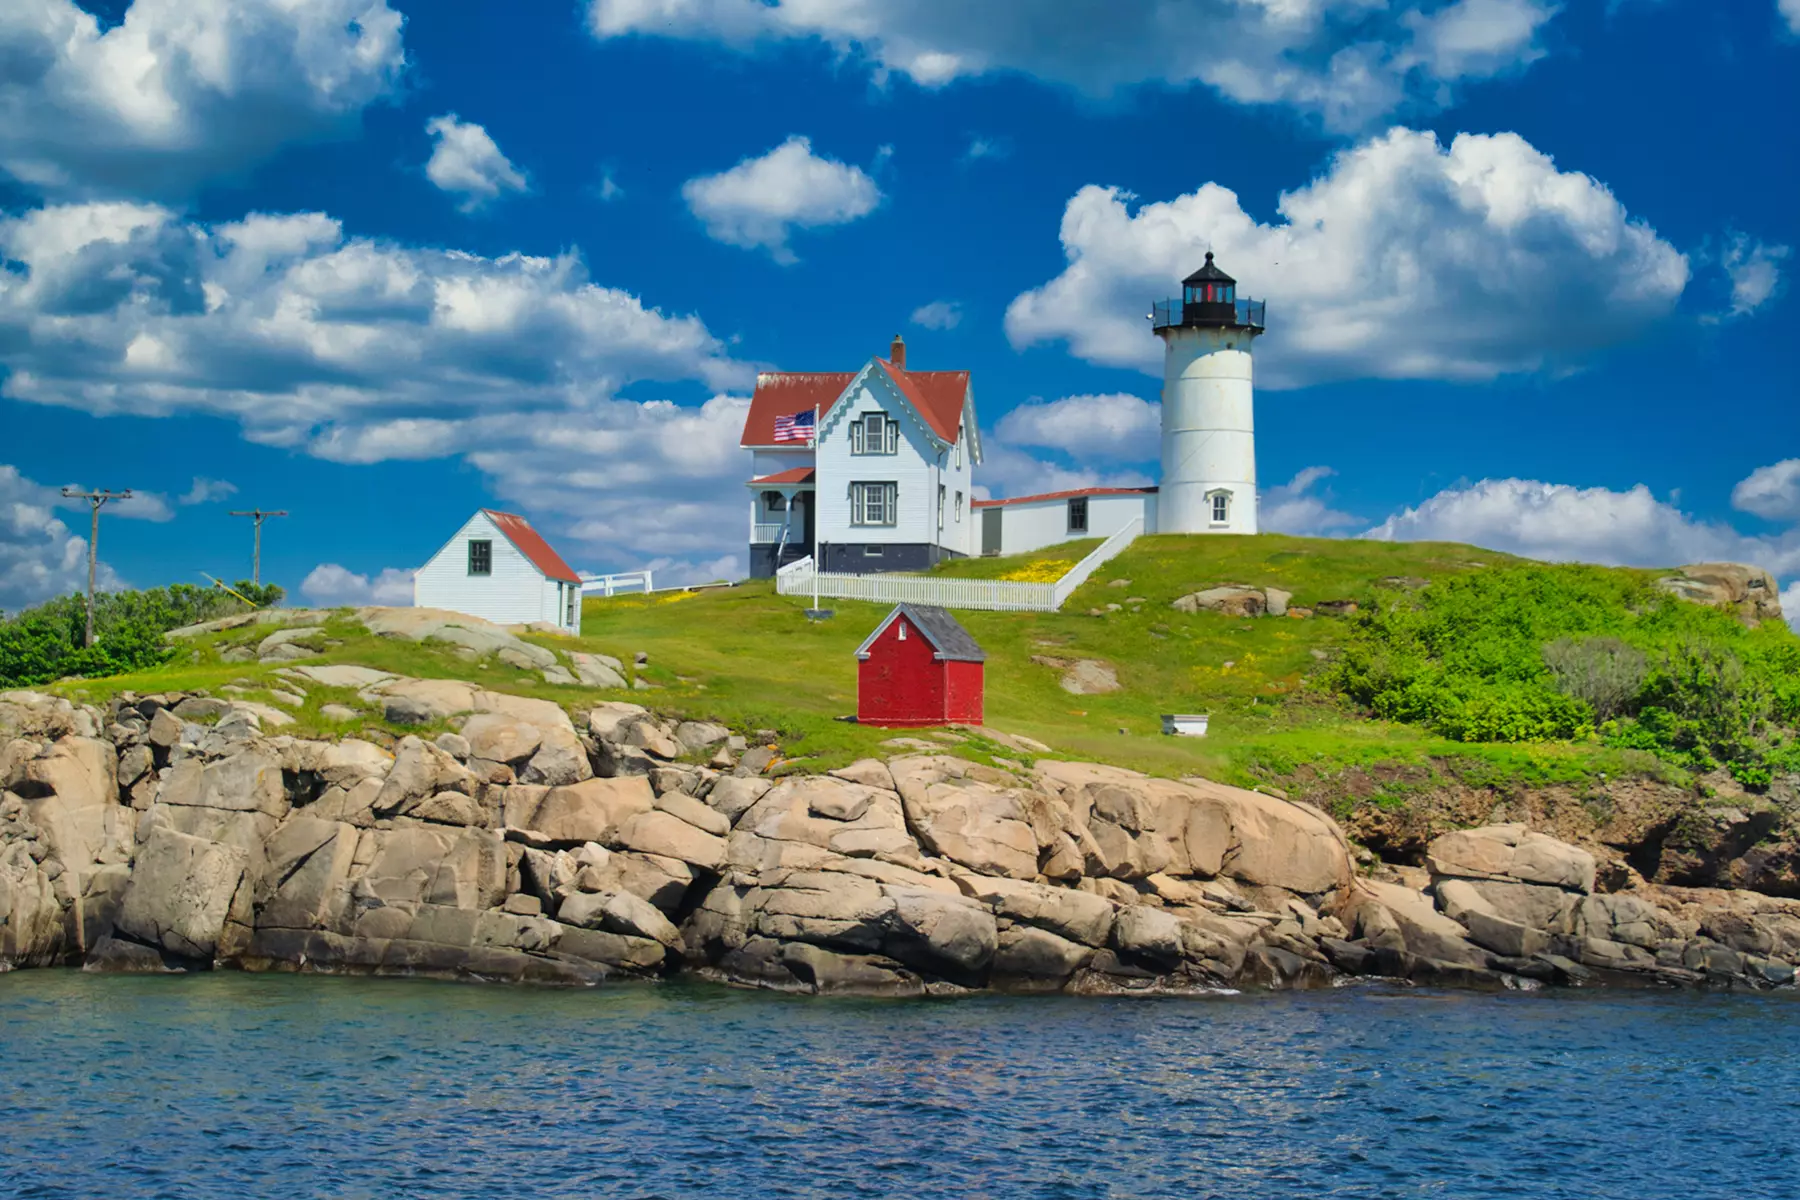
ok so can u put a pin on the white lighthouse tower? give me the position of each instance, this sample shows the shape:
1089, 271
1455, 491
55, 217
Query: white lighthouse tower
1208, 423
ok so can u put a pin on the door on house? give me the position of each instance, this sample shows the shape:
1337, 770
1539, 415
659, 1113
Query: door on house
990, 530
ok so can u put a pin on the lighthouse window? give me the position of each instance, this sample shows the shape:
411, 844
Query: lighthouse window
1221, 507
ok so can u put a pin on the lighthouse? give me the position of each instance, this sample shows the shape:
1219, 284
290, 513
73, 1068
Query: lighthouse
1208, 423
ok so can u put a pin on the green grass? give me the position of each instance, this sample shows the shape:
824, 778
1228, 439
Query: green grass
750, 658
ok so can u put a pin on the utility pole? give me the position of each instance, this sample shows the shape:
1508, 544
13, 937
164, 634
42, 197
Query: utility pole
256, 561
95, 501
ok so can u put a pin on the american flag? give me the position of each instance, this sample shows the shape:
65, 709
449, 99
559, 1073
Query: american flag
795, 428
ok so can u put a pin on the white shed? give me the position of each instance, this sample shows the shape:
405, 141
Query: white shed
499, 568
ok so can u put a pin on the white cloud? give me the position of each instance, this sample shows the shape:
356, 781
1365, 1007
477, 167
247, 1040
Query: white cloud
761, 201
1771, 492
1296, 507
361, 351
1343, 62
181, 91
939, 314
672, 572
332, 585
608, 189
39, 556
205, 491
1404, 260
1790, 9
981, 147
1006, 471
1560, 523
1754, 270
466, 162
1117, 427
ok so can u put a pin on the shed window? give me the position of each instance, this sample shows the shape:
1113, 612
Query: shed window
481, 557
873, 503
1221, 507
574, 598
902, 625
1078, 515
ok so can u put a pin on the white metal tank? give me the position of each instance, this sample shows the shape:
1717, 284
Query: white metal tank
1208, 417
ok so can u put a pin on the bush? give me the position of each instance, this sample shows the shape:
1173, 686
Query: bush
47, 643
1603, 672
1542, 653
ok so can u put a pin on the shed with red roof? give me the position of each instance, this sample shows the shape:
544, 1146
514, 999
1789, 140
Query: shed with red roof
499, 568
919, 667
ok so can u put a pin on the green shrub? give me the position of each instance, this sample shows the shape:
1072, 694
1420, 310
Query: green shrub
46, 643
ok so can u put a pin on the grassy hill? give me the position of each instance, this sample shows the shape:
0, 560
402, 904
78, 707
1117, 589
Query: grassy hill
1440, 681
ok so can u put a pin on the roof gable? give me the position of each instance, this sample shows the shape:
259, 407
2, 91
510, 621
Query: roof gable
946, 635
530, 543
938, 396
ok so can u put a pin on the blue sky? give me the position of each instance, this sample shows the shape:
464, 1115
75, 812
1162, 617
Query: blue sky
379, 263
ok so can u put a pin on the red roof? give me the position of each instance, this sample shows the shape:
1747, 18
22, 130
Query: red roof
796, 475
937, 395
1069, 495
784, 393
519, 532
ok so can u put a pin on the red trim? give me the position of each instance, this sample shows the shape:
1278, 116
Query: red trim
796, 475
937, 395
784, 393
1069, 495
519, 532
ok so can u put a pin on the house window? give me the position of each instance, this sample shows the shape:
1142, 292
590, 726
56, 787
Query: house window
1078, 515
959, 506
1221, 508
569, 609
959, 449
874, 433
940, 506
774, 502
873, 503
871, 551
481, 558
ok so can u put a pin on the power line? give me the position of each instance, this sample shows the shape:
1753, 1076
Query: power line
256, 560
95, 501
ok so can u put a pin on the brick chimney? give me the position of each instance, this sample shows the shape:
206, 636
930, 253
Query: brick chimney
897, 353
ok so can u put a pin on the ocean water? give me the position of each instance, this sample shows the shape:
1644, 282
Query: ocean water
240, 1086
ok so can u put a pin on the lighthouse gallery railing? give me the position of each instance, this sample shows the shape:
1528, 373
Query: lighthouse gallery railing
996, 595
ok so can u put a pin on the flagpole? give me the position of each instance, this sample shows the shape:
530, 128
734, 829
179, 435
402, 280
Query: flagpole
814, 511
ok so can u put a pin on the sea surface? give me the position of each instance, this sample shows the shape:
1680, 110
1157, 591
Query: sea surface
239, 1086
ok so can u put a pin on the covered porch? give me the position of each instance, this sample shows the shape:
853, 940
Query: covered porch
781, 519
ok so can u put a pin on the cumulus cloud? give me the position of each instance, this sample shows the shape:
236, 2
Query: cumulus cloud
39, 556
1116, 426
1301, 506
181, 91
331, 585
982, 147
1406, 259
205, 491
1562, 523
1771, 492
939, 314
761, 201
1790, 10
1754, 269
467, 163
1342, 62
1008, 471
359, 350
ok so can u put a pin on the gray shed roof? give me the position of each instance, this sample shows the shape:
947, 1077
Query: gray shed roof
946, 635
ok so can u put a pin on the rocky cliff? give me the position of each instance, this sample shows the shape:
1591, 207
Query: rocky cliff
185, 832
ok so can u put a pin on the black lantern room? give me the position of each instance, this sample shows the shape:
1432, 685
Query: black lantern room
1209, 299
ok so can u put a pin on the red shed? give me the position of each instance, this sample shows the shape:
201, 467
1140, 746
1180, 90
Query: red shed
919, 667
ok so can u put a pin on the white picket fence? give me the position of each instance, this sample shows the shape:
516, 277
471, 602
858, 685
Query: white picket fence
995, 595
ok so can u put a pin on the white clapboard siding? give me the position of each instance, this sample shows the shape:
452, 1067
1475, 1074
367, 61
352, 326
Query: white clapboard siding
911, 469
994, 595
516, 593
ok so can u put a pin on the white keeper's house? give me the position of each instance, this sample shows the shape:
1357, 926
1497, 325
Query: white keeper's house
888, 486
501, 569
871, 470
